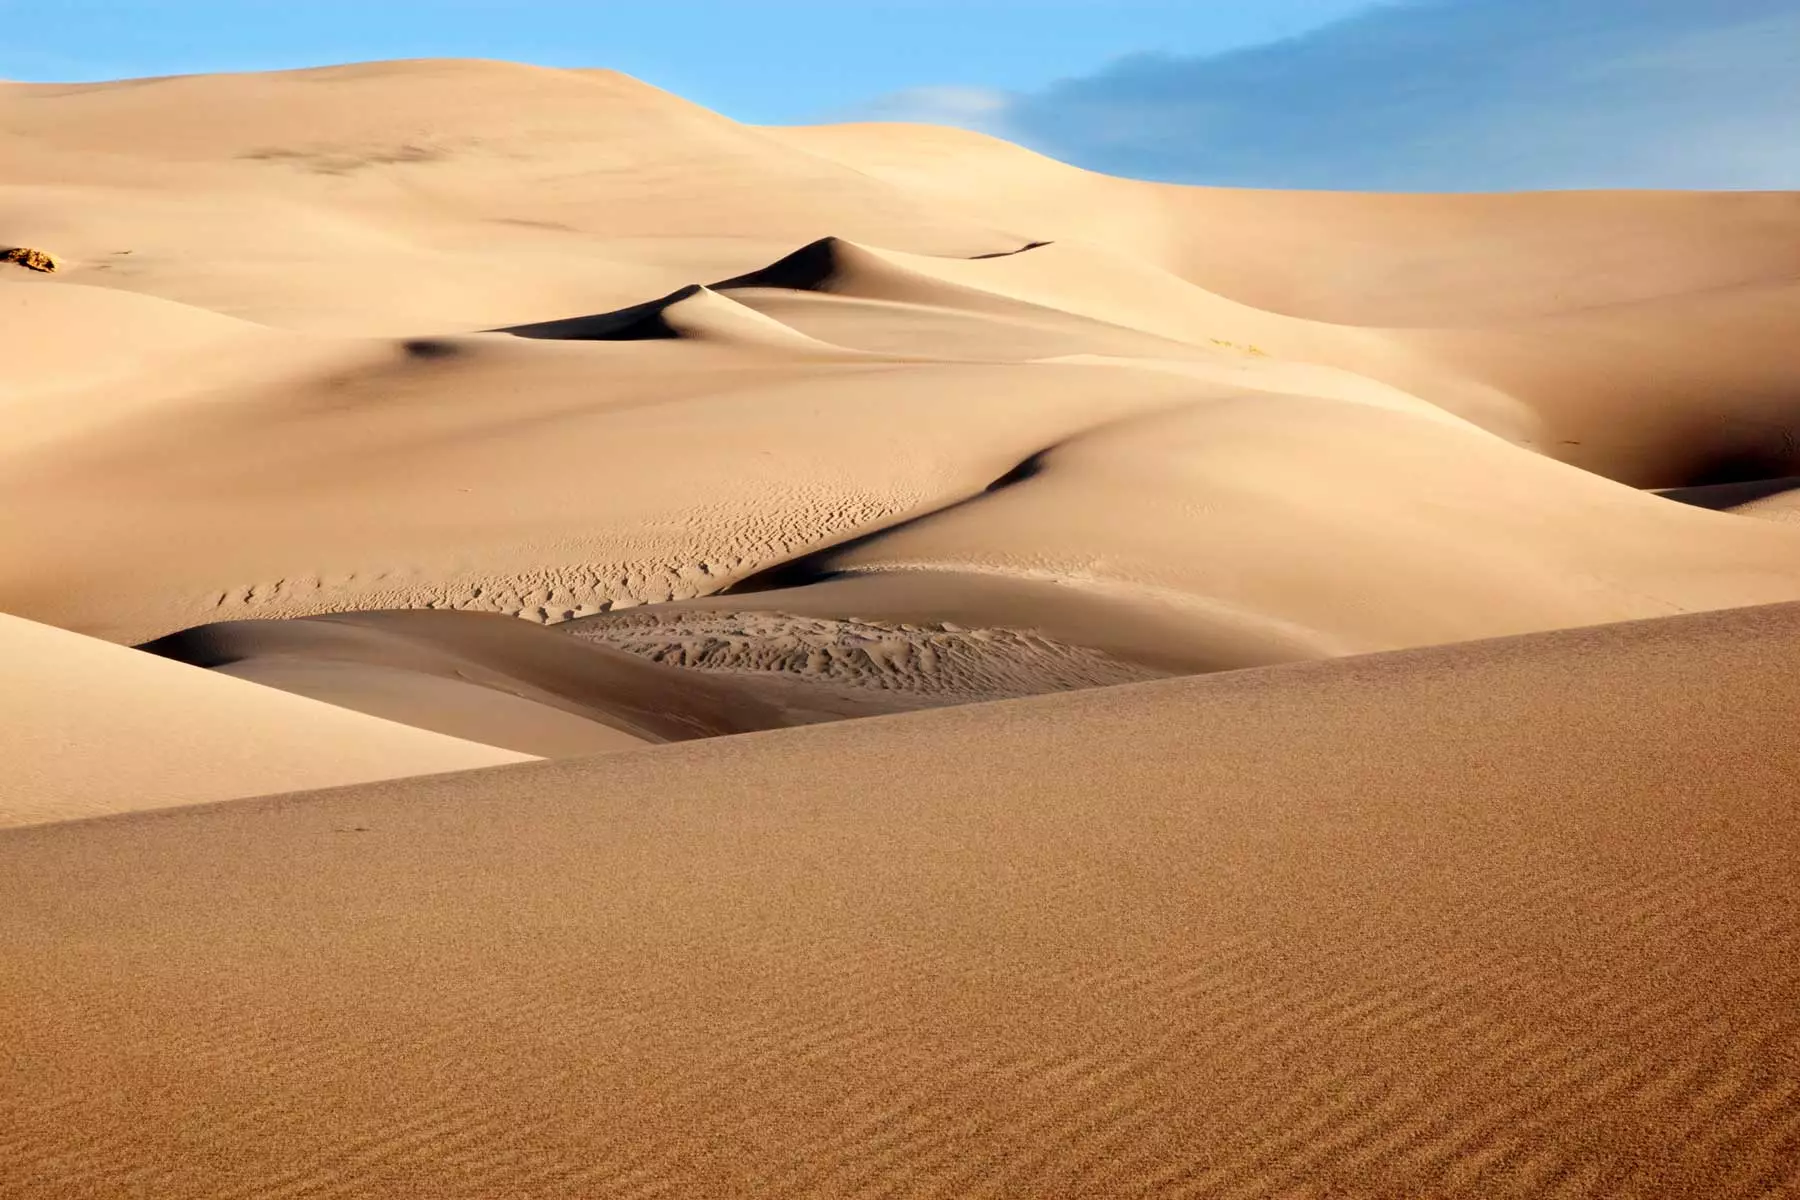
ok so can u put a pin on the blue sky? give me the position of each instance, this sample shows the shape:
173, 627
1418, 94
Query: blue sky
1454, 95
767, 61
1402, 94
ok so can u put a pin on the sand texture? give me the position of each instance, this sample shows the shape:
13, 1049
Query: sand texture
1051, 685
1511, 918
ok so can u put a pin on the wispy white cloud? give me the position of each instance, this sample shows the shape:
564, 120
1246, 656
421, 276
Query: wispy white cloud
1459, 95
978, 108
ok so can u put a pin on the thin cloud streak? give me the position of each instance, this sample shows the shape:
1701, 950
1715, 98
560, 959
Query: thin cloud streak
1446, 95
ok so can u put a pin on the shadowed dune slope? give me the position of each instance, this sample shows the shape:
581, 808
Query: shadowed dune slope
88, 728
905, 664
1505, 919
692, 312
632, 678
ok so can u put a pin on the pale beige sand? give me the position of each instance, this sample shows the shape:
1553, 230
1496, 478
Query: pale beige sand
1306, 527
1278, 510
397, 480
1361, 259
1637, 334
88, 728
1512, 918
240, 254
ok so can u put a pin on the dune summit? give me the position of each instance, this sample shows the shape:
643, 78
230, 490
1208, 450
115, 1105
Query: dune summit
1055, 685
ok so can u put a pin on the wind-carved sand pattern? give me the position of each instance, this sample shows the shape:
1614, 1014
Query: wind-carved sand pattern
1254, 936
545, 595
939, 663
748, 542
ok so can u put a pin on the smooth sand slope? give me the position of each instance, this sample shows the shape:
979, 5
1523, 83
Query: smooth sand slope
88, 728
1510, 918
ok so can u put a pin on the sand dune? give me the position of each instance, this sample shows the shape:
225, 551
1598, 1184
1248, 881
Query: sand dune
915, 665
397, 481
782, 429
362, 223
1664, 311
650, 675
79, 358
88, 729
456, 194
694, 312
1219, 509
1504, 919
1406, 261
1675, 391
400, 484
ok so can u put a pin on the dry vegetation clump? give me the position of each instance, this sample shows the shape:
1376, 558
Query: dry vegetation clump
31, 260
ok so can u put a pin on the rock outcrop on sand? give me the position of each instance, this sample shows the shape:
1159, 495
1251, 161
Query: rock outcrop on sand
31, 260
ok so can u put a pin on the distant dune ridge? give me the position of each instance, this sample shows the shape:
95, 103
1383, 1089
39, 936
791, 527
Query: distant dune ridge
1461, 865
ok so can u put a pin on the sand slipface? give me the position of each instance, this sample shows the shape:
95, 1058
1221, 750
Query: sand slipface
414, 421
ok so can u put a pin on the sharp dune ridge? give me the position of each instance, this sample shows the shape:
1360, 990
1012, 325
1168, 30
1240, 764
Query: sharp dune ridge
693, 312
1026, 683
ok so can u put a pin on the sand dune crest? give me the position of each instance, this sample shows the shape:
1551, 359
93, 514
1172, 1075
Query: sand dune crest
693, 312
